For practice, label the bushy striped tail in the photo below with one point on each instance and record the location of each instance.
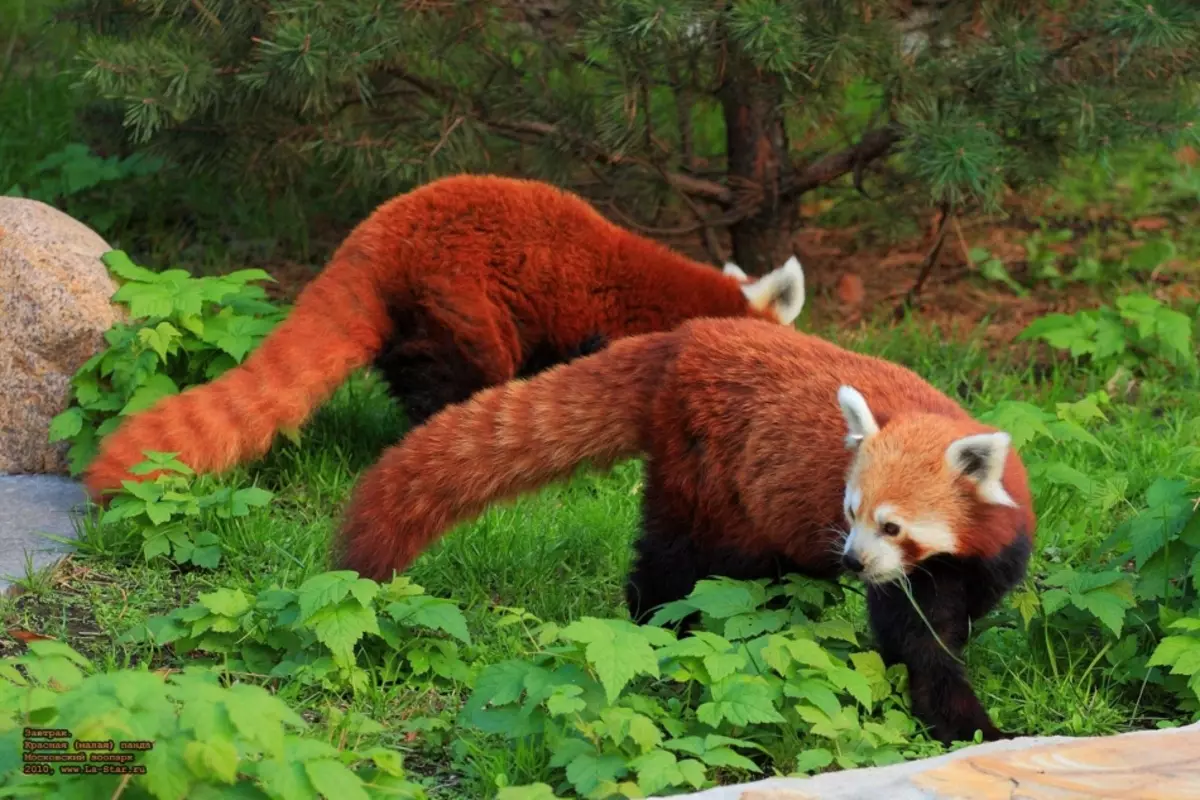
(339, 323)
(505, 441)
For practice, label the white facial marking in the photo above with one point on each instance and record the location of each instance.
(980, 458)
(859, 420)
(734, 271)
(933, 535)
(881, 559)
(781, 290)
(851, 500)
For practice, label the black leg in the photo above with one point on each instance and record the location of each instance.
(424, 368)
(665, 569)
(670, 559)
(942, 696)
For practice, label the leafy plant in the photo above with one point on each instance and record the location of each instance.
(69, 176)
(183, 331)
(323, 632)
(993, 269)
(1138, 327)
(203, 737)
(1042, 258)
(165, 511)
(628, 710)
(1181, 652)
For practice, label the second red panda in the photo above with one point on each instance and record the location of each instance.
(767, 451)
(464, 283)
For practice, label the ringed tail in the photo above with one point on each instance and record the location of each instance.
(504, 441)
(339, 323)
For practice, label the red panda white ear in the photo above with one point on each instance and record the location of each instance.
(734, 271)
(781, 290)
(980, 459)
(859, 419)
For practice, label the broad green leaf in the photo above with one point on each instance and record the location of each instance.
(532, 791)
(332, 779)
(815, 691)
(722, 598)
(66, 424)
(340, 627)
(433, 613)
(214, 758)
(812, 760)
(656, 770)
(740, 700)
(155, 388)
(586, 771)
(329, 588)
(616, 649)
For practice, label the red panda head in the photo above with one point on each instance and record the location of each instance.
(779, 293)
(922, 485)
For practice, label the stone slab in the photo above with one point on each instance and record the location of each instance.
(1147, 765)
(31, 505)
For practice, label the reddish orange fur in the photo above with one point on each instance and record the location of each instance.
(741, 426)
(504, 266)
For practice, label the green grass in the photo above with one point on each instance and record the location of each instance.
(562, 553)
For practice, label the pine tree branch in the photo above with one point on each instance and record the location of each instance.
(517, 129)
(874, 144)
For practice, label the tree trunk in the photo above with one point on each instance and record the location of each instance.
(757, 152)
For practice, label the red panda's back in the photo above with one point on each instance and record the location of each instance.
(747, 428)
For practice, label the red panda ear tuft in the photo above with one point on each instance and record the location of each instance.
(860, 422)
(980, 459)
(732, 270)
(780, 291)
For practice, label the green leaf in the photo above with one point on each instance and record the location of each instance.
(155, 388)
(725, 757)
(855, 684)
(227, 602)
(432, 613)
(162, 339)
(329, 588)
(332, 779)
(1180, 652)
(565, 700)
(532, 791)
(1024, 422)
(813, 759)
(1108, 604)
(213, 757)
(722, 665)
(618, 650)
(66, 424)
(656, 770)
(586, 771)
(1152, 254)
(1027, 604)
(809, 653)
(816, 692)
(340, 627)
(119, 264)
(756, 623)
(739, 700)
(723, 598)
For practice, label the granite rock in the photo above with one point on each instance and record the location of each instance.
(54, 310)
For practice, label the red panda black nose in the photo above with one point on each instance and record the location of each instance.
(851, 562)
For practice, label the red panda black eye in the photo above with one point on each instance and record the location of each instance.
(890, 529)
(850, 512)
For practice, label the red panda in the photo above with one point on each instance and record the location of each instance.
(767, 451)
(461, 284)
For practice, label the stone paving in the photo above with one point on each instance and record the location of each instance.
(31, 505)
(1148, 765)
